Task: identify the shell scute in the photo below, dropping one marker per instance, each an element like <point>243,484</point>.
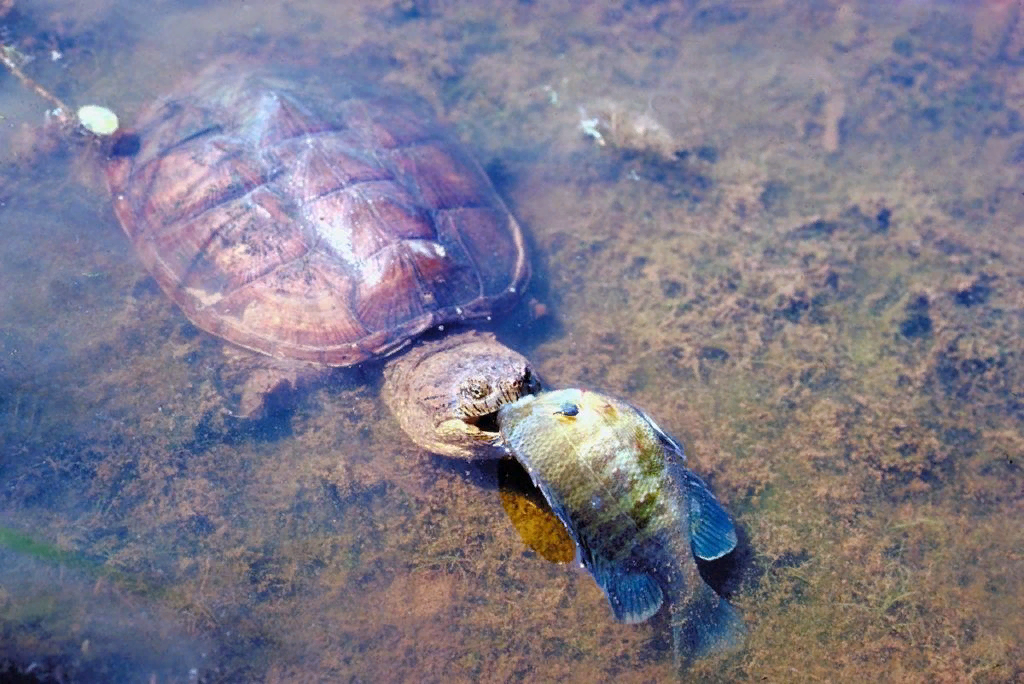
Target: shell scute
<point>316,222</point>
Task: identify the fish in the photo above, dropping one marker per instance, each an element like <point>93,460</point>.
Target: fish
<point>638,516</point>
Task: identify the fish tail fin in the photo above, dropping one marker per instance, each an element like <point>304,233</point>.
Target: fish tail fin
<point>706,624</point>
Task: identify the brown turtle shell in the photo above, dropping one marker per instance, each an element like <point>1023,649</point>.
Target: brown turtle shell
<point>313,220</point>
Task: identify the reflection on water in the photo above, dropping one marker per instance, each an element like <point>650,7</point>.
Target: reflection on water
<point>789,231</point>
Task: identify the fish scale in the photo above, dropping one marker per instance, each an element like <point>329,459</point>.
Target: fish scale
<point>612,470</point>
<point>639,518</point>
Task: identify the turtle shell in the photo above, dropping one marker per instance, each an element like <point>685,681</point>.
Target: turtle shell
<point>311,219</point>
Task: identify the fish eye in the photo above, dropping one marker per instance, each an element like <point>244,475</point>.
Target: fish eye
<point>567,409</point>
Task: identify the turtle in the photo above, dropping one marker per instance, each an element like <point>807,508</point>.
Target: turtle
<point>315,220</point>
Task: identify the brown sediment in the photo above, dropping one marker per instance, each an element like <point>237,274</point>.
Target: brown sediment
<point>996,29</point>
<point>834,111</point>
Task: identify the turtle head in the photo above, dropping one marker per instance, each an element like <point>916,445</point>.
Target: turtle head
<point>446,393</point>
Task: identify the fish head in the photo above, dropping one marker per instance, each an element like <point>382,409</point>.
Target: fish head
<point>577,416</point>
<point>568,414</point>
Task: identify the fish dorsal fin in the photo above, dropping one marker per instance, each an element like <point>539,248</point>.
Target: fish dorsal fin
<point>633,596</point>
<point>673,449</point>
<point>712,534</point>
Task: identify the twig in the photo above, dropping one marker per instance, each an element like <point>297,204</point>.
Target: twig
<point>61,111</point>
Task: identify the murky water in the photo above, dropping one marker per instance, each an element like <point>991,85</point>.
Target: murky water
<point>790,231</point>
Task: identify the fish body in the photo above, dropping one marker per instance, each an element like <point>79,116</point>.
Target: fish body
<point>638,516</point>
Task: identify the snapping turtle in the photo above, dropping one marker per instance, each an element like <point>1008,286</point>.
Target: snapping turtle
<point>324,222</point>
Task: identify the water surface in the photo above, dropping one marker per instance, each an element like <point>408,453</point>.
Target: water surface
<point>799,248</point>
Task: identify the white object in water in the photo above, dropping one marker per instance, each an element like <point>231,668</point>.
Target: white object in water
<point>98,120</point>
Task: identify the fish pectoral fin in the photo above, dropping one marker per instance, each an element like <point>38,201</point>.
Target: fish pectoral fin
<point>712,534</point>
<point>633,596</point>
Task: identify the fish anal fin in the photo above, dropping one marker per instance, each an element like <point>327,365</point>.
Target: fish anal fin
<point>633,596</point>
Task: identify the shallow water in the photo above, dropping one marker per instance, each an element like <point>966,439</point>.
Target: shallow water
<point>799,248</point>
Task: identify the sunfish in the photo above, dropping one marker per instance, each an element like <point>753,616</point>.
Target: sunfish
<point>638,516</point>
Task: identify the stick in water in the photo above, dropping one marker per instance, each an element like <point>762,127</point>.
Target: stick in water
<point>98,120</point>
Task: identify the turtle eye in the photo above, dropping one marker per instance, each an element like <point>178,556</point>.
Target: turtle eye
<point>476,389</point>
<point>567,409</point>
